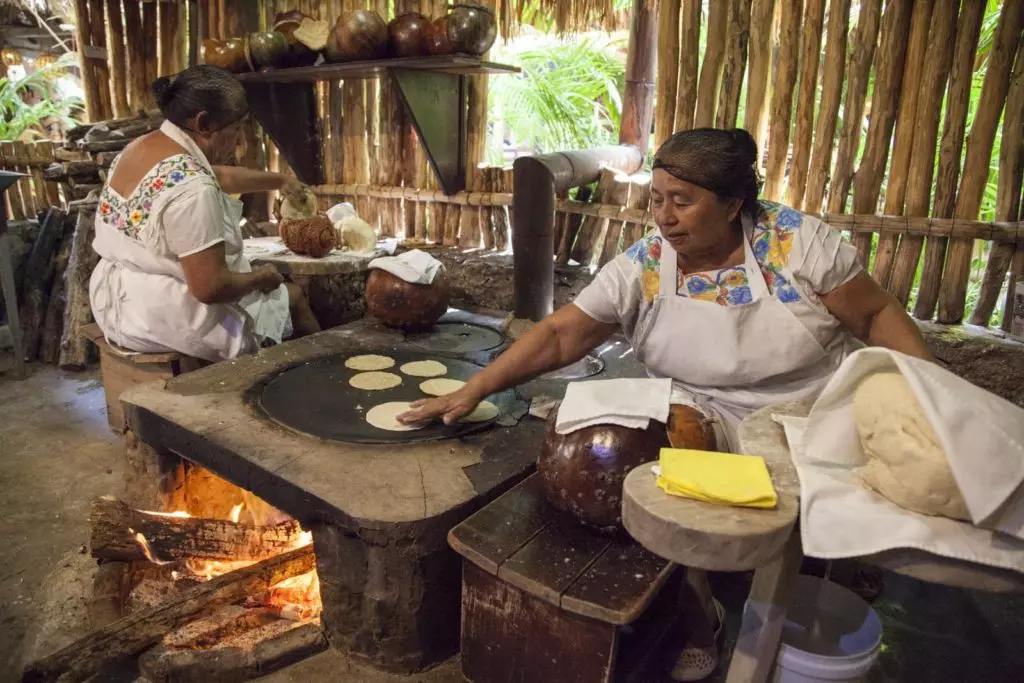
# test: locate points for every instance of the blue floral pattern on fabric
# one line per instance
(130, 215)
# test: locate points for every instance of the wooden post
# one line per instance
(888, 77)
(755, 116)
(19, 210)
(903, 138)
(813, 24)
(782, 98)
(638, 100)
(937, 61)
(953, 293)
(28, 199)
(98, 38)
(831, 92)
(668, 70)
(689, 55)
(711, 68)
(149, 37)
(90, 84)
(861, 57)
(138, 91)
(737, 35)
(116, 58)
(177, 34)
(1008, 196)
(957, 103)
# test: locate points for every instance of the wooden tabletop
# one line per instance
(715, 537)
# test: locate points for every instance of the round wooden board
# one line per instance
(716, 537)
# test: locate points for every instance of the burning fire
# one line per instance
(297, 598)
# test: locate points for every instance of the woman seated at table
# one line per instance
(172, 275)
(743, 303)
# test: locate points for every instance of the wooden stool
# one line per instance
(121, 370)
(545, 599)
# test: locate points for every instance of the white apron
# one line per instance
(729, 361)
(142, 303)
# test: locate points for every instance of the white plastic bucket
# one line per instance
(830, 634)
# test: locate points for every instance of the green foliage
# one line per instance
(568, 95)
(21, 121)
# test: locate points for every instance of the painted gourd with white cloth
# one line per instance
(582, 471)
(409, 292)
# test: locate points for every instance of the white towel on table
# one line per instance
(981, 434)
(417, 267)
(629, 403)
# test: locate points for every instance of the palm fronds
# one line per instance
(22, 121)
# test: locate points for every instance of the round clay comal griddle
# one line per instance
(315, 398)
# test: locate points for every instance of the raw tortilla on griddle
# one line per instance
(369, 362)
(385, 416)
(375, 381)
(424, 368)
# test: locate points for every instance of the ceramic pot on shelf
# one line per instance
(298, 54)
(408, 34)
(227, 54)
(268, 50)
(472, 28)
(437, 40)
(405, 305)
(360, 35)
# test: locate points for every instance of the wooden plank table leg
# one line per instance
(763, 616)
(11, 301)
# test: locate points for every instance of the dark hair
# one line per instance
(198, 89)
(719, 160)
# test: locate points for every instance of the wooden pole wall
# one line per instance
(811, 30)
(867, 183)
(689, 54)
(755, 114)
(938, 59)
(116, 58)
(953, 293)
(782, 98)
(737, 35)
(101, 71)
(669, 14)
(862, 56)
(638, 98)
(831, 92)
(711, 67)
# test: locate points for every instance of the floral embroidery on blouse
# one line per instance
(130, 215)
(771, 243)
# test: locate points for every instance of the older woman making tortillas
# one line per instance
(743, 303)
(172, 274)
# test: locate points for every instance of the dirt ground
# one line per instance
(56, 454)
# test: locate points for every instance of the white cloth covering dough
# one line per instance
(482, 413)
(906, 462)
(424, 368)
(369, 362)
(441, 386)
(375, 381)
(385, 416)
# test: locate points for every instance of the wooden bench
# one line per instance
(121, 370)
(545, 599)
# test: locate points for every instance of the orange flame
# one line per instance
(236, 512)
(144, 546)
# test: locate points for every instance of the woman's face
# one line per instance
(692, 219)
(224, 142)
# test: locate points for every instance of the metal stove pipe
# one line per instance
(536, 182)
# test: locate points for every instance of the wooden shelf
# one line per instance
(433, 90)
(458, 65)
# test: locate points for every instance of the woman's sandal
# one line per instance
(697, 663)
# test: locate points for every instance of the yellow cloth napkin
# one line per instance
(722, 478)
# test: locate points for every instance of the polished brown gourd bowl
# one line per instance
(405, 305)
(408, 34)
(472, 28)
(357, 36)
(582, 472)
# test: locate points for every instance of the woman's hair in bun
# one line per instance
(720, 160)
(198, 89)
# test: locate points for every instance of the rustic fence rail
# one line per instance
(34, 193)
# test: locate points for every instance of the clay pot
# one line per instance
(269, 50)
(407, 35)
(227, 54)
(472, 28)
(582, 472)
(313, 237)
(298, 54)
(405, 305)
(357, 36)
(437, 39)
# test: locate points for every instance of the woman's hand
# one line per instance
(292, 186)
(450, 407)
(266, 279)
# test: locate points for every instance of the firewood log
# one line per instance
(36, 281)
(74, 349)
(53, 323)
(129, 635)
(115, 523)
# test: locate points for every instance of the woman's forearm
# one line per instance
(893, 329)
(231, 287)
(240, 180)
